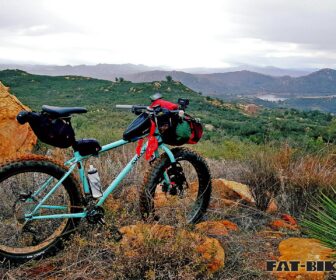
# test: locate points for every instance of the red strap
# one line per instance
(152, 143)
(139, 146)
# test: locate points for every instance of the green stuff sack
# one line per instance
(183, 131)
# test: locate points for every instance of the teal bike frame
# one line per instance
(77, 161)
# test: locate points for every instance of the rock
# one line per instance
(216, 227)
(289, 219)
(224, 193)
(286, 222)
(227, 193)
(272, 207)
(136, 237)
(302, 249)
(209, 127)
(14, 138)
(281, 224)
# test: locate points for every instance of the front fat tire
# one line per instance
(57, 170)
(154, 173)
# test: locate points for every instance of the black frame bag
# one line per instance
(57, 132)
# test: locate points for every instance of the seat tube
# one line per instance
(82, 175)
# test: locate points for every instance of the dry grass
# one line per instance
(291, 177)
(93, 255)
(281, 173)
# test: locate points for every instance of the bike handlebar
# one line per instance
(124, 106)
(142, 107)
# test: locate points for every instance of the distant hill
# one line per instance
(242, 84)
(322, 82)
(226, 82)
(111, 71)
(99, 71)
(267, 70)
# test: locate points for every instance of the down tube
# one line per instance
(121, 176)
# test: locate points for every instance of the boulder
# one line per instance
(227, 193)
(137, 237)
(14, 138)
(231, 193)
(303, 249)
(216, 227)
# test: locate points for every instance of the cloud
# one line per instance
(188, 33)
(31, 18)
(309, 23)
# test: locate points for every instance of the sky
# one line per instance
(172, 33)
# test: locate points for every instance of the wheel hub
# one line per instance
(23, 205)
(178, 180)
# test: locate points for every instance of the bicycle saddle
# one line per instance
(62, 111)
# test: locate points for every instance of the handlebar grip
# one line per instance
(124, 106)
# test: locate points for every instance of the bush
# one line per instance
(263, 176)
(291, 176)
(320, 223)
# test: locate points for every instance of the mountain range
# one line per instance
(241, 83)
(225, 83)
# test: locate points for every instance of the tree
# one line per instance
(169, 78)
(121, 79)
(116, 79)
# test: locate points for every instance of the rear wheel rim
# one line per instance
(18, 236)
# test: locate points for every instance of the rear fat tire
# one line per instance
(154, 173)
(57, 170)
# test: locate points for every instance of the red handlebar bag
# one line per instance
(164, 104)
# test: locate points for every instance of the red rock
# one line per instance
(289, 219)
(14, 138)
(281, 224)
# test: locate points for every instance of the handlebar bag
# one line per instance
(181, 131)
(56, 132)
(164, 104)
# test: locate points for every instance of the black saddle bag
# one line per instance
(53, 131)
